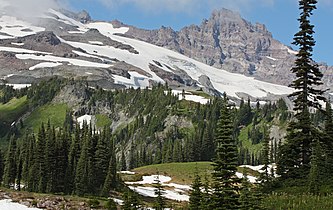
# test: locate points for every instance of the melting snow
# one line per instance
(251, 179)
(189, 96)
(19, 86)
(127, 172)
(9, 205)
(107, 28)
(45, 65)
(96, 42)
(85, 118)
(150, 192)
(75, 62)
(20, 50)
(17, 44)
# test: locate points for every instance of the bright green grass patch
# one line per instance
(301, 202)
(54, 112)
(246, 141)
(10, 111)
(181, 173)
(201, 93)
(102, 121)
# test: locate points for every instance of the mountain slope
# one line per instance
(98, 51)
(229, 42)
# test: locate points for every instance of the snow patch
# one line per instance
(75, 62)
(96, 42)
(189, 96)
(251, 179)
(20, 50)
(118, 201)
(85, 118)
(18, 86)
(9, 205)
(150, 192)
(45, 65)
(17, 44)
(127, 172)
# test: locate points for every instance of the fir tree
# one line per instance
(225, 183)
(9, 175)
(159, 191)
(296, 152)
(195, 194)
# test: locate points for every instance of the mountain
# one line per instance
(223, 54)
(229, 42)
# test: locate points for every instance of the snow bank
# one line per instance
(85, 118)
(251, 179)
(127, 172)
(45, 65)
(19, 86)
(9, 205)
(75, 62)
(20, 50)
(259, 168)
(188, 96)
(150, 192)
(17, 44)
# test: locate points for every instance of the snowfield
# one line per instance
(14, 27)
(75, 62)
(9, 205)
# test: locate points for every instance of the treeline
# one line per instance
(82, 162)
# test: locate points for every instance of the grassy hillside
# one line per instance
(102, 121)
(10, 111)
(54, 112)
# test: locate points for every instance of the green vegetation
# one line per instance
(298, 202)
(10, 111)
(181, 173)
(55, 113)
(103, 121)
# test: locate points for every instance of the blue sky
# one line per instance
(280, 16)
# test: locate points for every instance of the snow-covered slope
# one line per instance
(145, 65)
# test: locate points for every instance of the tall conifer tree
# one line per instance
(225, 183)
(296, 152)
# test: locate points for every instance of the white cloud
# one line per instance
(28, 8)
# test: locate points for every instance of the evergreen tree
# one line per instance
(1, 166)
(159, 191)
(225, 183)
(250, 198)
(9, 175)
(296, 152)
(195, 194)
(82, 170)
(111, 177)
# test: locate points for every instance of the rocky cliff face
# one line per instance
(229, 42)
